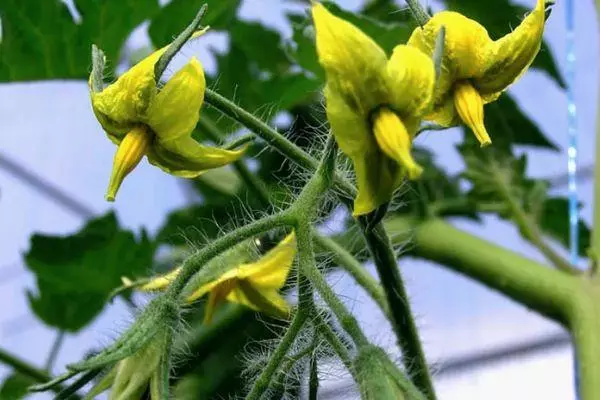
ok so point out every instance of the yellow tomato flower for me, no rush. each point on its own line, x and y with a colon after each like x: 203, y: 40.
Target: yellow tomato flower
x: 476, y: 69
x: 255, y: 285
x: 374, y: 105
x: 156, y: 122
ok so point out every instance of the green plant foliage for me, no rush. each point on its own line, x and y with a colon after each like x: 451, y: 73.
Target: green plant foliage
x: 15, y: 387
x: 76, y: 273
x: 496, y: 175
x: 42, y: 40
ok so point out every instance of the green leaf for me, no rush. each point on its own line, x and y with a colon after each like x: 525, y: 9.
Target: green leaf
x: 555, y: 223
x: 41, y: 40
x: 177, y: 14
x: 15, y: 387
x: 507, y: 124
x: 498, y: 17
x: 76, y: 273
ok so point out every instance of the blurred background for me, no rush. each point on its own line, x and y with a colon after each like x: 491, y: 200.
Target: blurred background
x: 54, y: 168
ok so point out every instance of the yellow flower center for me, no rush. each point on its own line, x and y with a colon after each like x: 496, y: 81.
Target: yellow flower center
x: 216, y: 296
x: 469, y: 105
x: 130, y: 152
x: 393, y: 139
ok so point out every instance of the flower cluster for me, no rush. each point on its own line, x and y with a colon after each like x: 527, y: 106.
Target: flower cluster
x: 375, y: 105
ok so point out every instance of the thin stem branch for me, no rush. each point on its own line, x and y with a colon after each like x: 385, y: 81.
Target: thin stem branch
x: 56, y: 345
x: 22, y: 367
x: 351, y: 265
x: 263, y: 381
x: 345, y: 318
x: 273, y: 138
x: 403, y: 322
x: 531, y: 232
x: 334, y: 341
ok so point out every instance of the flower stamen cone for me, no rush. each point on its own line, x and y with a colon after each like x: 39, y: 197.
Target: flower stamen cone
x: 469, y: 105
x: 393, y: 139
x: 130, y: 152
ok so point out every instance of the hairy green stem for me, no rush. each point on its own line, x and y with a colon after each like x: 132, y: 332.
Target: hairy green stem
x: 313, y: 379
x: 379, y: 241
x: 272, y: 137
x: 403, y: 322
x: 345, y: 318
x: 334, y: 341
x: 262, y: 383
x: 196, y: 261
x: 421, y: 16
x: 351, y: 265
x: 56, y: 345
x: 543, y: 289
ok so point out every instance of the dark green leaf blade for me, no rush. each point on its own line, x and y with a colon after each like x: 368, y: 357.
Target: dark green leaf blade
x: 507, y: 124
x: 555, y: 223
x: 15, y: 387
x: 76, y: 273
x: 41, y: 40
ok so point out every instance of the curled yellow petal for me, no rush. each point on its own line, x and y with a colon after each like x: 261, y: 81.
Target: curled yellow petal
x: 377, y: 177
x: 173, y: 113
x: 126, y: 101
x: 354, y: 63
x: 467, y: 51
x: 132, y: 148
x: 187, y: 158
x: 469, y: 104
x: 272, y: 269
x: 394, y: 140
x: 411, y: 78
x: 513, y: 54
x: 217, y: 295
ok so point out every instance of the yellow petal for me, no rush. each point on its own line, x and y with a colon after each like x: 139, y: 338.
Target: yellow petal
x: 129, y: 153
x: 467, y: 55
x: 217, y: 295
x: 174, y: 111
x: 272, y: 269
x: 160, y: 282
x: 513, y: 54
x: 469, y: 105
x: 227, y: 278
x: 395, y: 142
x: 377, y: 177
x: 187, y: 158
x: 351, y: 130
x: 125, y: 102
x: 268, y: 301
x: 354, y: 63
x: 411, y: 78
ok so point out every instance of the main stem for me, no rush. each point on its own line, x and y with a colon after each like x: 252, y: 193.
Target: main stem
x: 585, y: 326
x: 403, y: 323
